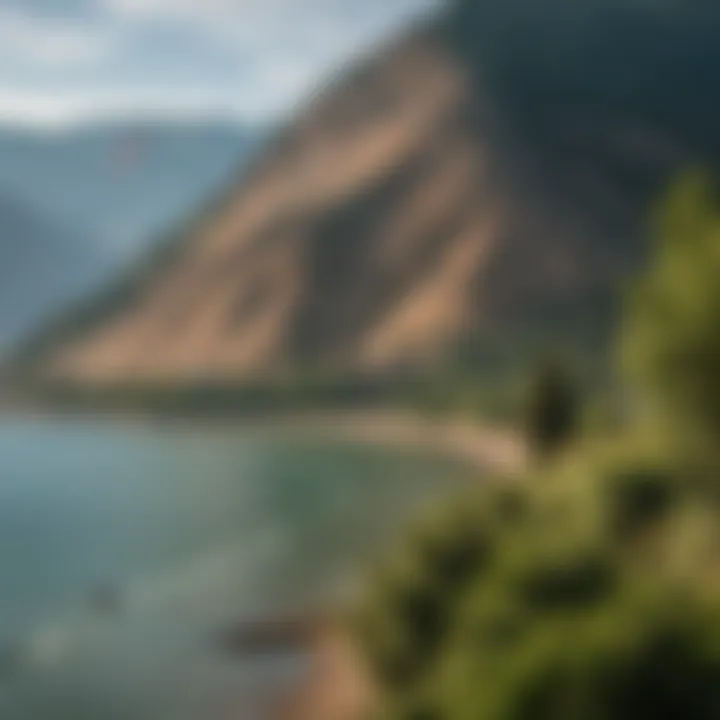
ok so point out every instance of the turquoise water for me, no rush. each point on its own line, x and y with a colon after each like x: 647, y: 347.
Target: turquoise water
x: 182, y: 532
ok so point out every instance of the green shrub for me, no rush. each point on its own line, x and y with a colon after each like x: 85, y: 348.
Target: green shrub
x: 631, y: 656
x: 671, y: 340
x: 560, y: 598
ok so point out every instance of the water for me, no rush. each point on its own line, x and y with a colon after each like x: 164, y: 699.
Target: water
x: 125, y: 549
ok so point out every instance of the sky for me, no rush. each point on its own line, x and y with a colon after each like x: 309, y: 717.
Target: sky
x: 67, y: 61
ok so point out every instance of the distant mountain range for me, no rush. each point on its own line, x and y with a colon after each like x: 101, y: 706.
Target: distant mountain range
x: 44, y: 264
x: 77, y: 203
x: 483, y: 182
x: 123, y: 182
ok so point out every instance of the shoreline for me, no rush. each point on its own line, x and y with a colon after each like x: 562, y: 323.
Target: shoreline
x: 335, y: 687
x: 482, y: 447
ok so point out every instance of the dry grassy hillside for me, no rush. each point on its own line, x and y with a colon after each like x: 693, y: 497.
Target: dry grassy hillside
x: 484, y: 177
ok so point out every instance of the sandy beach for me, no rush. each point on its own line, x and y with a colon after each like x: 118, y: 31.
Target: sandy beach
x: 481, y: 446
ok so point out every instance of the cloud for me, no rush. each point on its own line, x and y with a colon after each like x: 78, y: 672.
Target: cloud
x: 288, y: 45
x: 267, y: 29
x: 249, y: 58
x: 194, y: 9
x: 37, y: 42
x: 58, y: 109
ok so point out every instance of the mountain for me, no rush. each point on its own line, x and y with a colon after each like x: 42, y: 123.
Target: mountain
x: 477, y: 187
x: 44, y: 264
x: 124, y: 182
x: 78, y: 203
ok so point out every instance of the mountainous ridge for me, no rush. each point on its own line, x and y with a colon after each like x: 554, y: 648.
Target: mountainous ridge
x: 124, y: 181
x: 447, y: 193
x: 45, y: 263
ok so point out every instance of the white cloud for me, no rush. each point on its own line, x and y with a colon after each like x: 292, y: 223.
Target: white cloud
x: 46, y: 44
x: 60, y: 109
x: 196, y: 9
x: 267, y: 28
x: 209, y: 12
x: 285, y: 46
x: 277, y: 49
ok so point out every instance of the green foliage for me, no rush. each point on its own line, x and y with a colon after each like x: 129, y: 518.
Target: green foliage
x: 638, y: 498
x: 407, y: 623
x: 578, y: 593
x: 590, y: 590
x: 553, y: 412
x: 671, y: 337
x: 630, y: 656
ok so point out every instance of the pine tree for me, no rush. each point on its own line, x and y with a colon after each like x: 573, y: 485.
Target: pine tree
x: 552, y: 412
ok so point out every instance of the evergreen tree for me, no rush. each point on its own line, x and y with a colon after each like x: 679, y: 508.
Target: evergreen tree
x: 671, y: 338
x: 552, y: 412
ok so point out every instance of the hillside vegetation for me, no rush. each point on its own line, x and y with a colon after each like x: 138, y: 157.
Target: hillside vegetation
x: 588, y: 588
